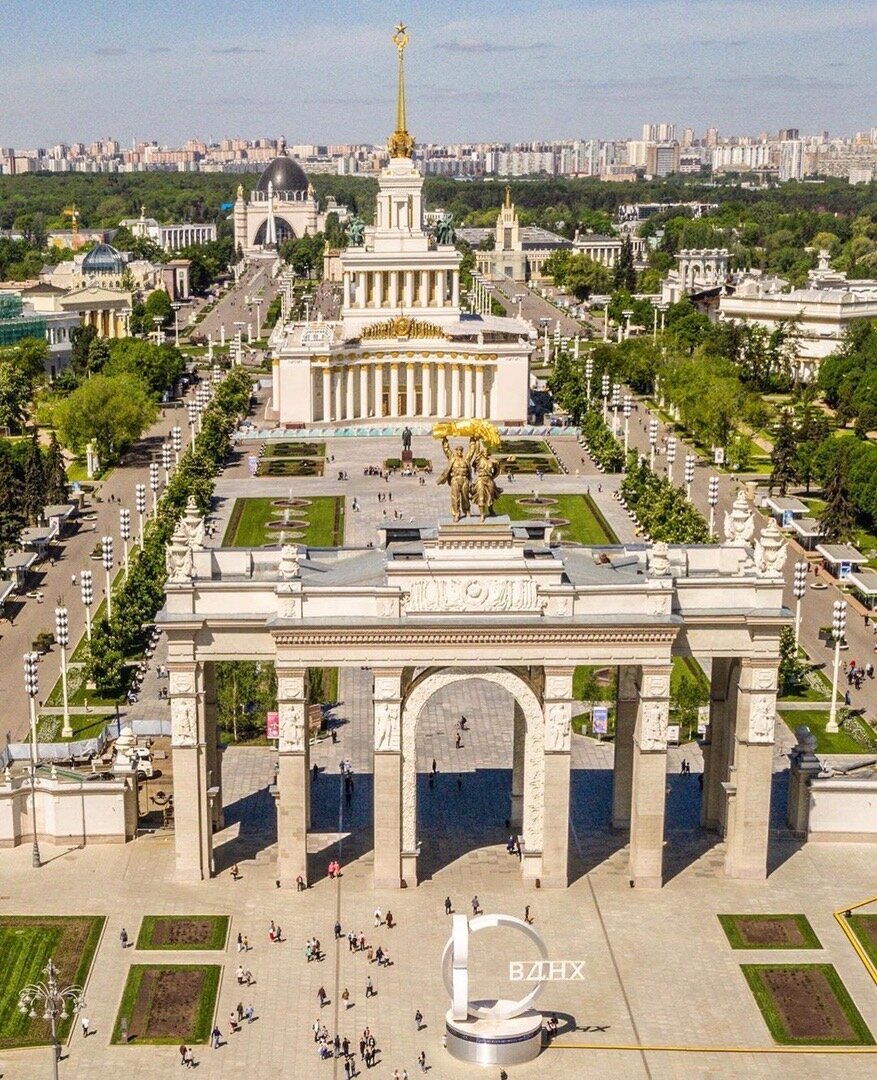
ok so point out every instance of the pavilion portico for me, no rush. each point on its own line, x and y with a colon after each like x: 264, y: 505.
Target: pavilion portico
x: 495, y: 602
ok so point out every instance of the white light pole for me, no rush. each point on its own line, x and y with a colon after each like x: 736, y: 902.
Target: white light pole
x: 177, y: 443
x: 799, y: 588
x: 176, y: 306
x: 54, y: 1001
x: 32, y: 687
x: 193, y: 420
x: 589, y: 374
x: 62, y: 638
x: 140, y: 500
x: 257, y: 300
x: 217, y: 374
x: 713, y: 499
x: 628, y: 406
x: 663, y: 310
x: 107, y: 560
x: 689, y: 475
x: 154, y: 484
x: 616, y: 401
x: 166, y: 452
x: 626, y: 315
x: 838, y: 629
x: 125, y: 533
x: 653, y: 442
x: 671, y: 456
x: 604, y: 390
x: 86, y: 591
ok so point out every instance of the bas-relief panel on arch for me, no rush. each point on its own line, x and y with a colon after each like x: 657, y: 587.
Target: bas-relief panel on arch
x: 184, y: 721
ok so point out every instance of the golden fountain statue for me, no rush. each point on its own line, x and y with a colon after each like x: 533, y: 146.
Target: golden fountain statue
x: 467, y: 488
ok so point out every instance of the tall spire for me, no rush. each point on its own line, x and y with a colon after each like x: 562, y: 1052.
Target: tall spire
x: 400, y: 144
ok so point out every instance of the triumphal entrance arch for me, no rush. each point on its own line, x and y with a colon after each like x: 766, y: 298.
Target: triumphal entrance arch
x: 494, y: 601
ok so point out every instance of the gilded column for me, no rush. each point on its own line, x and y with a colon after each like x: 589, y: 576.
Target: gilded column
x: 293, y: 775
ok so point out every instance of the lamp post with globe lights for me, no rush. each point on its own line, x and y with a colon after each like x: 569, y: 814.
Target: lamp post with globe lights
x: 628, y: 406
x: 32, y: 688
x: 671, y: 456
x: 86, y: 591
x: 166, y: 452
x: 177, y: 442
x: 140, y: 501
x: 62, y: 638
x: 589, y: 374
x: 799, y: 588
x: 193, y: 420
x: 57, y: 1003
x: 125, y: 533
x: 689, y: 475
x: 653, y: 442
x: 106, y: 545
x: 154, y: 485
x: 616, y: 402
x: 838, y: 631
x: 713, y: 500
x: 604, y: 391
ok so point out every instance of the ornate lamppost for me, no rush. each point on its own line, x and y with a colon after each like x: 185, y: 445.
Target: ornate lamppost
x: 628, y: 406
x: 177, y: 443
x: 62, y: 638
x: 125, y: 533
x: 154, y: 485
x: 838, y: 630
x: 32, y: 688
x: 107, y: 560
x: 57, y: 1002
x: 140, y: 500
x: 713, y: 500
x: 86, y: 590
x: 166, y: 462
x: 604, y: 391
x: 616, y: 401
x: 689, y: 475
x: 193, y: 419
x: 671, y: 456
x: 653, y: 442
x: 589, y: 374
x: 799, y: 588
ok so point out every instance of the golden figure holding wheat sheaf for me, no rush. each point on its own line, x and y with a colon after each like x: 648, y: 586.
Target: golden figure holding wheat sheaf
x: 470, y: 473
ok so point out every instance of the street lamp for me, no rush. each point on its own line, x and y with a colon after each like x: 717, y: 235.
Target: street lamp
x: 32, y: 688
x: 166, y: 452
x: 838, y: 629
x: 157, y: 320
x: 258, y: 300
x: 177, y: 443
x: 689, y: 475
x: 616, y: 401
x: 589, y: 374
x: 799, y: 587
x: 54, y: 1001
x: 154, y: 485
x: 106, y: 545
x: 125, y: 532
x: 217, y: 374
x: 86, y: 591
x: 604, y: 390
x: 140, y: 499
x: 653, y: 442
x: 193, y: 418
x: 626, y: 315
x: 663, y: 310
x: 671, y: 456
x: 62, y: 638
x: 628, y: 406
x: 713, y: 499
x: 176, y: 305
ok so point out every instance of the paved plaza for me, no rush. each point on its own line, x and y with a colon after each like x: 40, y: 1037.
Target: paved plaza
x: 659, y: 972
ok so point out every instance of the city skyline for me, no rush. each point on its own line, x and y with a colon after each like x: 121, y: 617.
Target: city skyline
x: 476, y: 72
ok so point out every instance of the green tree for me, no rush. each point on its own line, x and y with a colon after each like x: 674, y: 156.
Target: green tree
x: 159, y: 366
x: 792, y: 670
x: 784, y: 454
x: 109, y: 410
x: 585, y: 276
x: 81, y: 339
x: 15, y: 394
x: 34, y: 495
x: 624, y: 275
x: 157, y: 306
x: 12, y: 519
x: 245, y: 691
x: 56, y: 473
x: 838, y: 517
x: 689, y: 697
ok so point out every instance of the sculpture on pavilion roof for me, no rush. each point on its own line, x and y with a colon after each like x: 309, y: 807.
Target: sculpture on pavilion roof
x: 445, y: 233
x: 401, y: 143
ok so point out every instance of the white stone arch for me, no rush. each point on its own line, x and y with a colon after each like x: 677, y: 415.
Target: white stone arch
x: 428, y: 683
x: 282, y: 224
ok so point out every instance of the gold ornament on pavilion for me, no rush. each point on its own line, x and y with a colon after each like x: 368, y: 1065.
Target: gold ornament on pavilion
x: 401, y: 326
x: 400, y: 144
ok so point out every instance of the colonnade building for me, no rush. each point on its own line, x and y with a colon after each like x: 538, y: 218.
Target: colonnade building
x: 401, y: 346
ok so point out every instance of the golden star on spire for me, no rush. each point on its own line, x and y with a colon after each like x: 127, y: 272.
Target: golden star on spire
x: 400, y: 143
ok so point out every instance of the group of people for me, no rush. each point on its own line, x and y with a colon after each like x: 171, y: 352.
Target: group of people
x: 244, y: 976
x: 313, y: 950
x: 856, y: 675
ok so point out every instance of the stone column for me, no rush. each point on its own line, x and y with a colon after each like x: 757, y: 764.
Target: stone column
x: 558, y: 714
x: 350, y: 411
x: 519, y: 735
x: 455, y: 289
x: 479, y: 391
x: 467, y: 391
x: 363, y: 390
x: 410, y: 391
x: 379, y: 389
x: 409, y: 288
x: 214, y: 748
x: 424, y: 288
x: 327, y: 392
x: 394, y: 389
x: 360, y: 289
x: 379, y: 289
x: 426, y: 380
x: 649, y: 778
x: 293, y: 775
x: 395, y: 853
x: 626, y: 708
x: 749, y: 811
x: 441, y: 390
x: 347, y: 291
x: 716, y: 745
x: 394, y: 289
x: 454, y: 407
x: 193, y: 839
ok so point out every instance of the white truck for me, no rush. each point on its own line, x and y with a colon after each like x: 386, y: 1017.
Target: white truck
x: 138, y: 758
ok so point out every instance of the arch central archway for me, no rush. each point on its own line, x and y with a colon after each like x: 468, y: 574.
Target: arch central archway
x: 528, y: 771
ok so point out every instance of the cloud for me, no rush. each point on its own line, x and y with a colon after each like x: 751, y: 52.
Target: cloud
x: 235, y: 50
x: 110, y: 50
x: 470, y: 46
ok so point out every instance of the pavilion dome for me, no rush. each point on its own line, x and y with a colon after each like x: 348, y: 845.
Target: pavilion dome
x: 285, y: 174
x: 103, y: 259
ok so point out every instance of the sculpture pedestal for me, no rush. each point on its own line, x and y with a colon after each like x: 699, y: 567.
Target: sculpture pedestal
x: 407, y: 457
x: 495, y: 1042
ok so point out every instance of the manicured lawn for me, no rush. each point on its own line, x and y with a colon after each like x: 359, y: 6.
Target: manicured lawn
x: 85, y: 726
x: 524, y: 465
x: 806, y: 1005
x: 816, y: 719
x: 247, y: 526
x: 168, y: 1003
x: 769, y: 932
x: 865, y: 929
x: 586, y: 524
x: 294, y: 449
x: 27, y: 943
x: 290, y: 467
x: 183, y: 932
x: 523, y: 446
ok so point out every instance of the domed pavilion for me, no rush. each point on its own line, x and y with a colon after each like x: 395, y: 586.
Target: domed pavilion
x: 282, y: 205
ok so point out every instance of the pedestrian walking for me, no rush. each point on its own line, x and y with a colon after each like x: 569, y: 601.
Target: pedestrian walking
x: 351, y: 941
x: 246, y: 943
x: 528, y: 918
x: 190, y: 1058
x: 322, y: 996
x: 421, y: 1060
x: 123, y: 938
x: 362, y: 1048
x: 345, y: 997
x: 476, y: 906
x: 336, y: 1043
x: 434, y: 767
x: 390, y: 921
x: 86, y: 1023
x: 240, y: 1011
x: 418, y: 1019
x: 449, y: 907
x: 378, y: 917
x: 347, y: 1069
x: 337, y: 929
x: 316, y: 1030
x: 345, y: 1046
x: 216, y: 1037
x: 369, y: 987
x: 240, y: 942
x: 182, y: 1054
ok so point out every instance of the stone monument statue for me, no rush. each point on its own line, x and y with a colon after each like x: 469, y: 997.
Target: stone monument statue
x: 445, y: 233
x: 406, y: 438
x: 356, y: 232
